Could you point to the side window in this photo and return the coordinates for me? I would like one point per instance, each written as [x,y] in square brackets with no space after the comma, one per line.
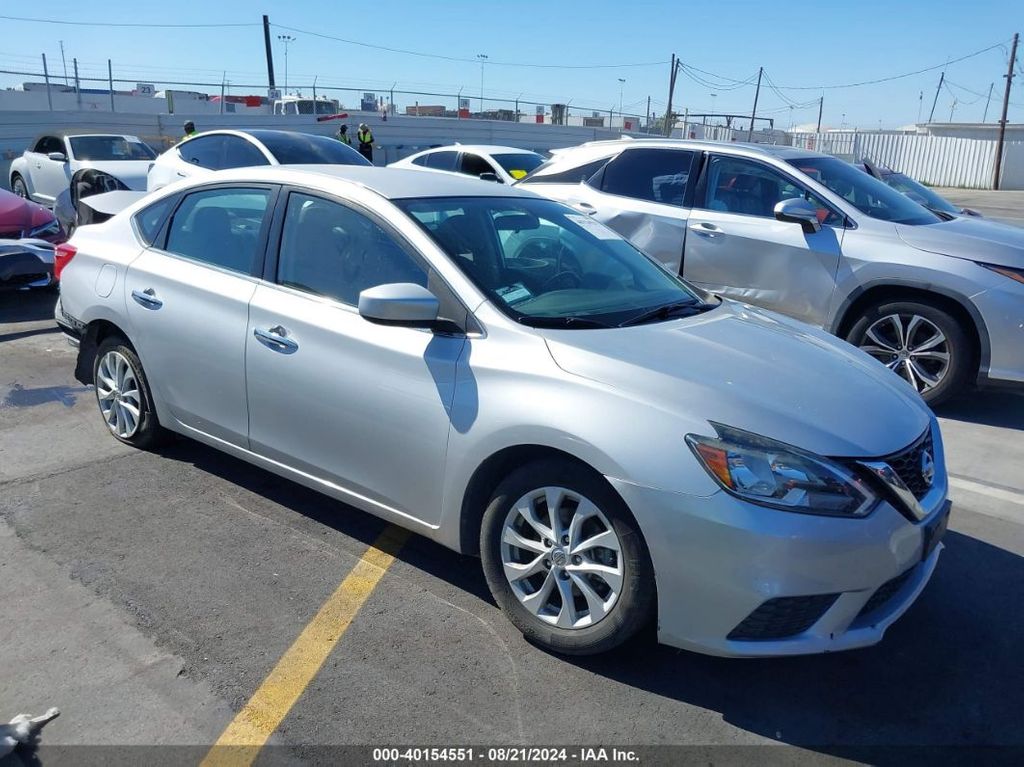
[474,165]
[442,160]
[738,185]
[330,250]
[655,175]
[421,160]
[219,227]
[239,153]
[148,221]
[205,151]
[48,144]
[573,175]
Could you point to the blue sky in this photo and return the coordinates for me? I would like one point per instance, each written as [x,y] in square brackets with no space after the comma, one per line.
[808,44]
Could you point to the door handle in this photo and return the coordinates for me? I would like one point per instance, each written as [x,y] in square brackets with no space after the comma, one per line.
[276,338]
[585,207]
[147,298]
[706,228]
[182,175]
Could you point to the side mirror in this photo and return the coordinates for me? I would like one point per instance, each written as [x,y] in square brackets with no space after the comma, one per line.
[797,210]
[490,176]
[58,156]
[399,303]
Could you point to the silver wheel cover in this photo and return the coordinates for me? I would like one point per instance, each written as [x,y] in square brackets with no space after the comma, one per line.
[911,346]
[117,392]
[562,558]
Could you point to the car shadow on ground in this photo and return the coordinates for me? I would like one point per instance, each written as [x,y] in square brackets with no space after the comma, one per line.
[26,306]
[947,673]
[1002,408]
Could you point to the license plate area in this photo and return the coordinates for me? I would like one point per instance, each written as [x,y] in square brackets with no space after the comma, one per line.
[934,531]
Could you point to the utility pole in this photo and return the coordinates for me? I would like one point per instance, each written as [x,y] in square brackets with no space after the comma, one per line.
[78,87]
[46,76]
[987,101]
[483,60]
[110,82]
[821,106]
[622,84]
[647,114]
[952,109]
[671,90]
[942,79]
[287,40]
[753,113]
[270,53]
[920,104]
[64,62]
[1006,105]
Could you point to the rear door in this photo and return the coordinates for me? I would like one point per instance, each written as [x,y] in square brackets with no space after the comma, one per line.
[642,195]
[188,304]
[736,247]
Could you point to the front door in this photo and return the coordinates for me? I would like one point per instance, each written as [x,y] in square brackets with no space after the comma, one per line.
[736,247]
[188,304]
[49,177]
[362,406]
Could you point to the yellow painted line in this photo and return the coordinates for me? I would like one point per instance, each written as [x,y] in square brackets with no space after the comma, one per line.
[241,742]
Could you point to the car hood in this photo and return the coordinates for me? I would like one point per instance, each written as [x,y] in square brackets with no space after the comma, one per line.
[132,172]
[18,214]
[974,239]
[753,370]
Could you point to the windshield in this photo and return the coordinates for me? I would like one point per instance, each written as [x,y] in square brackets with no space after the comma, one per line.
[866,193]
[107,148]
[306,149]
[517,165]
[919,193]
[545,265]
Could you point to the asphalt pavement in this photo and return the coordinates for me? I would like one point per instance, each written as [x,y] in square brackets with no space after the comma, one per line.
[148,595]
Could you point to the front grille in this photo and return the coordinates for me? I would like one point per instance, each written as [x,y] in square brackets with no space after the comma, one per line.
[884,593]
[907,464]
[783,617]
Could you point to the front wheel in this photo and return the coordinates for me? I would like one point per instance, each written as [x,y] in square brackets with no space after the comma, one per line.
[565,559]
[18,187]
[123,395]
[922,343]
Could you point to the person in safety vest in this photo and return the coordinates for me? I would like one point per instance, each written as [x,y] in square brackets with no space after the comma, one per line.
[343,136]
[365,138]
[190,129]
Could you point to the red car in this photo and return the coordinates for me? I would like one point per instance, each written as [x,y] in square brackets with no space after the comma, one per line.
[20,218]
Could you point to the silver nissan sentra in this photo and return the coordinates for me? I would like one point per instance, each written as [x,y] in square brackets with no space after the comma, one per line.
[508,377]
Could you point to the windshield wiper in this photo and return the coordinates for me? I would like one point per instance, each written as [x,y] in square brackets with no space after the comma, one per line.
[562,322]
[677,309]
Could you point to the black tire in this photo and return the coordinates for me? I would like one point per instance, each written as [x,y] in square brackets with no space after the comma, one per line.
[149,433]
[18,186]
[962,354]
[635,606]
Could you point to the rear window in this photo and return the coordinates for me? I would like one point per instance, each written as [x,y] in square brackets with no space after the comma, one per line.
[306,149]
[573,175]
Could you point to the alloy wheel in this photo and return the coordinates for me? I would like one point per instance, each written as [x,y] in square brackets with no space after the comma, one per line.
[20,189]
[117,391]
[562,558]
[910,345]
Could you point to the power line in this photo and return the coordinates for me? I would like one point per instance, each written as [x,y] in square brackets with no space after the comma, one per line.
[443,57]
[126,24]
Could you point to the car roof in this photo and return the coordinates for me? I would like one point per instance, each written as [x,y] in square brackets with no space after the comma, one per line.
[392,183]
[480,148]
[596,148]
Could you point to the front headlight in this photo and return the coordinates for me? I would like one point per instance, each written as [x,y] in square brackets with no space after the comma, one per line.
[1006,271]
[780,476]
[53,227]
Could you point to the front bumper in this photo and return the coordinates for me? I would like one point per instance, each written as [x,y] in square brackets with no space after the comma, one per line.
[837,584]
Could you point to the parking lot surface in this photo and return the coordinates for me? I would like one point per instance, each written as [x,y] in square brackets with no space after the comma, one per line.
[148,595]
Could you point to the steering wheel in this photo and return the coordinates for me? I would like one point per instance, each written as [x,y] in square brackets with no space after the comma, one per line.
[551,283]
[565,261]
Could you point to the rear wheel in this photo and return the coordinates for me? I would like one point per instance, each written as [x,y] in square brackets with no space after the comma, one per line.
[18,186]
[123,395]
[922,343]
[565,559]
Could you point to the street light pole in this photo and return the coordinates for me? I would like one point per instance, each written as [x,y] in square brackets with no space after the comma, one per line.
[483,59]
[64,62]
[622,84]
[287,40]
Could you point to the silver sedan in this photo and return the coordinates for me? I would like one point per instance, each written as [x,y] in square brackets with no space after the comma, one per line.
[512,379]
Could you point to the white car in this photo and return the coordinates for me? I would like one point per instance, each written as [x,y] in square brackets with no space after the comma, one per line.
[506,163]
[45,170]
[206,152]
